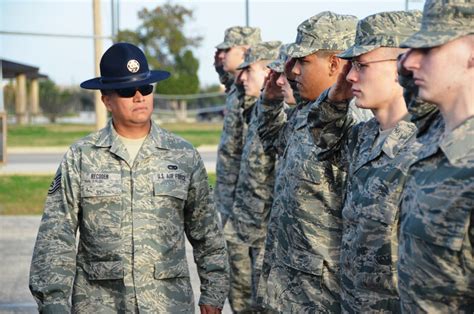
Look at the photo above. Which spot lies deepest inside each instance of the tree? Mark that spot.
(161, 36)
(54, 102)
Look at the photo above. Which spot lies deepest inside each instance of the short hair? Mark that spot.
(327, 53)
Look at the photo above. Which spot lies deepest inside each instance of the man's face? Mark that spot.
(129, 112)
(286, 90)
(219, 57)
(233, 57)
(442, 73)
(312, 76)
(253, 78)
(375, 85)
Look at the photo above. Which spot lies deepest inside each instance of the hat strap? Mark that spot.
(132, 78)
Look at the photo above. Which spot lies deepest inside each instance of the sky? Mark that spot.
(69, 61)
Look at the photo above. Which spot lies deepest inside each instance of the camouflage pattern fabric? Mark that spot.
(247, 224)
(278, 65)
(443, 21)
(436, 265)
(370, 210)
(240, 293)
(266, 50)
(240, 263)
(132, 219)
(240, 36)
(300, 270)
(248, 221)
(324, 31)
(385, 29)
(229, 153)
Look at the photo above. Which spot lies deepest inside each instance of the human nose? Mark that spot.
(412, 59)
(281, 80)
(244, 76)
(296, 70)
(138, 97)
(352, 76)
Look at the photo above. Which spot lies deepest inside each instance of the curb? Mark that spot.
(63, 149)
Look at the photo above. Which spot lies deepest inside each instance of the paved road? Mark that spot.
(17, 237)
(37, 162)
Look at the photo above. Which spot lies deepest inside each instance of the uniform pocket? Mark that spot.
(438, 226)
(101, 204)
(300, 276)
(104, 270)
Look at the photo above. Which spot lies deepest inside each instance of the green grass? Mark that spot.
(25, 195)
(65, 134)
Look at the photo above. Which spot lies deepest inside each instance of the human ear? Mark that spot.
(106, 100)
(335, 64)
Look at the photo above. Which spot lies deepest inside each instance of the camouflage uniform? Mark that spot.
(230, 146)
(436, 262)
(132, 218)
(376, 172)
(300, 271)
(246, 227)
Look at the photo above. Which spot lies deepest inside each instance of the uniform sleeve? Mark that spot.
(204, 234)
(332, 128)
(53, 264)
(271, 120)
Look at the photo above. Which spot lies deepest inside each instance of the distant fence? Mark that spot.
(205, 106)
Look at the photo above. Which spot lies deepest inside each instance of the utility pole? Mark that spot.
(247, 13)
(100, 111)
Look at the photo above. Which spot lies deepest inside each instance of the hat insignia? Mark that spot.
(133, 66)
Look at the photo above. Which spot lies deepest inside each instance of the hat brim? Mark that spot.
(223, 46)
(297, 51)
(429, 39)
(356, 51)
(276, 66)
(152, 77)
(243, 65)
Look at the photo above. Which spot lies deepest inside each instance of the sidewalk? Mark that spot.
(45, 160)
(16, 244)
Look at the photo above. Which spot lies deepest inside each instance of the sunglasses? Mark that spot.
(131, 91)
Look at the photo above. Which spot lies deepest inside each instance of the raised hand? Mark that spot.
(271, 90)
(341, 90)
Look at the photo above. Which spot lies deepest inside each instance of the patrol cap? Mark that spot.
(324, 31)
(240, 36)
(278, 65)
(266, 50)
(385, 29)
(443, 21)
(124, 65)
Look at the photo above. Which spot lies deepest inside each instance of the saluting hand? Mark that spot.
(341, 90)
(271, 90)
(209, 309)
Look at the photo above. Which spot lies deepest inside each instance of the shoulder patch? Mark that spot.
(56, 184)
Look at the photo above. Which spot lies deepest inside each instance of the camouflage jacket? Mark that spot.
(229, 153)
(436, 261)
(132, 220)
(300, 271)
(247, 224)
(276, 124)
(376, 175)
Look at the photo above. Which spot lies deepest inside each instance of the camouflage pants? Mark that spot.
(245, 268)
(240, 294)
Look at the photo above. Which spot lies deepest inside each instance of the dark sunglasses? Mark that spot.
(130, 91)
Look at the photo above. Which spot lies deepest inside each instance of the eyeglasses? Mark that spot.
(130, 91)
(357, 65)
